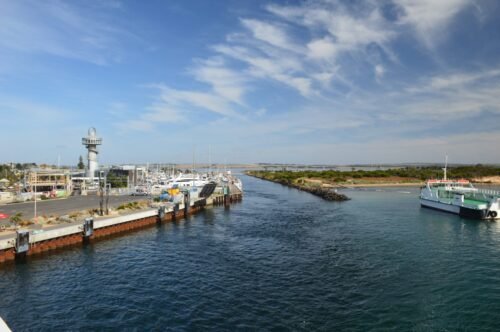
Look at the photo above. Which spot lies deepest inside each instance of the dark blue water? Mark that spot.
(280, 260)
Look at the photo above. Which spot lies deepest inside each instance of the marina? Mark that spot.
(25, 242)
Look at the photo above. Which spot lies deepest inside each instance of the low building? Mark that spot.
(4, 183)
(130, 174)
(53, 182)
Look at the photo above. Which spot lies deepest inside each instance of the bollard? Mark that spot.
(88, 228)
(176, 209)
(22, 243)
(186, 203)
(226, 196)
(161, 214)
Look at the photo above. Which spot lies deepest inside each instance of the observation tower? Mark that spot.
(91, 142)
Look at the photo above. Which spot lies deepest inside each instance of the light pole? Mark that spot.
(108, 189)
(34, 192)
(101, 192)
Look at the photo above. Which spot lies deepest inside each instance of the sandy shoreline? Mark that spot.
(393, 184)
(371, 185)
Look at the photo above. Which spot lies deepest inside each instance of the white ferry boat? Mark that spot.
(460, 197)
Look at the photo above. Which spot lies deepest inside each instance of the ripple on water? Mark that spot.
(280, 260)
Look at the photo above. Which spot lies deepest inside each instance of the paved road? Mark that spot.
(63, 206)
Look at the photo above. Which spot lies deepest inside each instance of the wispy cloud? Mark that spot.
(225, 82)
(379, 72)
(343, 59)
(175, 106)
(314, 66)
(270, 33)
(429, 18)
(61, 29)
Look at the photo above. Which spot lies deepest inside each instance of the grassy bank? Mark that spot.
(400, 176)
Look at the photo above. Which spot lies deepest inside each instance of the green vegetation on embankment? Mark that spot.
(317, 190)
(390, 176)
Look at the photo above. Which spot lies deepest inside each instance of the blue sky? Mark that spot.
(321, 81)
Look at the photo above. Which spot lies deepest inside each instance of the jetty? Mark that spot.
(325, 193)
(26, 243)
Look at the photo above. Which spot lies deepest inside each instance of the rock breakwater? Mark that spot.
(325, 193)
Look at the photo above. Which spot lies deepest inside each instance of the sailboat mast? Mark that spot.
(192, 170)
(209, 161)
(445, 167)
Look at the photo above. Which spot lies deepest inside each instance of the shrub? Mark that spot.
(17, 218)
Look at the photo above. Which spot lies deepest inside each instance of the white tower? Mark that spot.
(91, 142)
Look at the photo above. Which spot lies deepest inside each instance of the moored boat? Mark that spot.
(460, 197)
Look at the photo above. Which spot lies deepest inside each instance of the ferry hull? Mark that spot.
(473, 213)
(440, 206)
(450, 208)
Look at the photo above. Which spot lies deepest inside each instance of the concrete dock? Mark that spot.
(64, 206)
(25, 243)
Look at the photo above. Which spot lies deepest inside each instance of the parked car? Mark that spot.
(140, 192)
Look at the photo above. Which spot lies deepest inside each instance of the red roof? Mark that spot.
(449, 181)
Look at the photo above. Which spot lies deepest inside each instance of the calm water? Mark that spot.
(280, 260)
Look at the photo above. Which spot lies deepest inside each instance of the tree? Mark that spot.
(81, 165)
(117, 180)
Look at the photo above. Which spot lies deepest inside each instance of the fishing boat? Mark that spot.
(460, 197)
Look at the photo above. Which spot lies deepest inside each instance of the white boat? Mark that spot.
(186, 180)
(460, 197)
(238, 184)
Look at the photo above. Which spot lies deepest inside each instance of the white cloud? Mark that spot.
(458, 82)
(284, 70)
(323, 48)
(429, 17)
(379, 72)
(269, 33)
(332, 60)
(60, 29)
(225, 82)
(447, 98)
(174, 106)
(461, 79)
(201, 100)
(349, 31)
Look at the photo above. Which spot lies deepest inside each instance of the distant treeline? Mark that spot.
(416, 173)
(6, 172)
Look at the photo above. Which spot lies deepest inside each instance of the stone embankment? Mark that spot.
(325, 193)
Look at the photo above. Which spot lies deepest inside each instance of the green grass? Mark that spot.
(409, 173)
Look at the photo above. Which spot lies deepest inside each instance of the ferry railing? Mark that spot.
(484, 194)
(489, 192)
